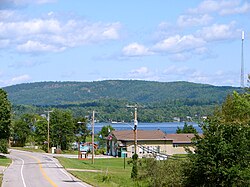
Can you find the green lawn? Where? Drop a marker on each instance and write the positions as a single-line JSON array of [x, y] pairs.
[[112, 172], [29, 149], [4, 161]]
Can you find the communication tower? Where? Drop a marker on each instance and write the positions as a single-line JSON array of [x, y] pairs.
[[242, 59]]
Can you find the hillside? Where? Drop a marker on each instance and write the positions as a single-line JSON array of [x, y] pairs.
[[160, 101], [63, 93]]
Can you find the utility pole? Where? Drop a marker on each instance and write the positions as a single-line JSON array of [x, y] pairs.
[[135, 130], [93, 148], [48, 128], [135, 127]]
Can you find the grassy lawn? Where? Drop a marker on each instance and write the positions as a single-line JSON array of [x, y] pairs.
[[4, 161], [112, 172], [29, 149]]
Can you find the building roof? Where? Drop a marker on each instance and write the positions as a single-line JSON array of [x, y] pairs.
[[141, 135], [128, 135], [181, 138]]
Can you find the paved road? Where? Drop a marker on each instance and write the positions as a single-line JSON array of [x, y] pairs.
[[37, 170]]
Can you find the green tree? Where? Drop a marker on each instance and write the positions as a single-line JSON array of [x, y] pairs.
[[41, 132], [5, 120], [61, 128], [23, 129], [186, 129], [81, 130], [103, 134], [222, 154]]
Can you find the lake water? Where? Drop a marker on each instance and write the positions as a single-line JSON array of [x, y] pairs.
[[167, 127]]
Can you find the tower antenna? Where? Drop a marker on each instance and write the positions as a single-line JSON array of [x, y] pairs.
[[242, 59]]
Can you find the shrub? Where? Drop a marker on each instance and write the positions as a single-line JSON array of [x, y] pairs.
[[3, 146]]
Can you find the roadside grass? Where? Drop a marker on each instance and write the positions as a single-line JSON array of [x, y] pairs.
[[29, 149], [111, 171], [4, 161], [72, 152]]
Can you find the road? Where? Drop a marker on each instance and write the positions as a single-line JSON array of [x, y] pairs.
[[37, 170]]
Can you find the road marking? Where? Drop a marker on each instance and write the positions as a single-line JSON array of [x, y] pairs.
[[63, 171], [22, 172], [43, 172]]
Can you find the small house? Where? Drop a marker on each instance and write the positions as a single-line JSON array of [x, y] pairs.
[[149, 142]]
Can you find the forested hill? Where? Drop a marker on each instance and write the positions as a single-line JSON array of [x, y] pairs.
[[63, 93]]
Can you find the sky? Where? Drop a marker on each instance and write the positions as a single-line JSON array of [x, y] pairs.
[[155, 40]]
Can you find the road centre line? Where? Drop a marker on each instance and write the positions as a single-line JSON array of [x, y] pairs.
[[42, 171]]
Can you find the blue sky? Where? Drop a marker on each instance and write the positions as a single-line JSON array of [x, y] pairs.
[[162, 40]]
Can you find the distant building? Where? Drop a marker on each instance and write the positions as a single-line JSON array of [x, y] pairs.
[[152, 142], [177, 119]]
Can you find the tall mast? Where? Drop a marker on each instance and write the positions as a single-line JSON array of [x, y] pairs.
[[242, 60]]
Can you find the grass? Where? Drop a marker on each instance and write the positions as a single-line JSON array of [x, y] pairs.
[[29, 149], [112, 172], [4, 161], [72, 152]]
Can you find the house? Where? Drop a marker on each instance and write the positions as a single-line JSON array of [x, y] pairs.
[[149, 142]]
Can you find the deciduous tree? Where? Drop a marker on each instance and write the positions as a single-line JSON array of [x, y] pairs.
[[222, 154], [61, 128], [5, 120]]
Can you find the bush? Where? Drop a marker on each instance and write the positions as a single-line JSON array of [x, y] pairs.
[[134, 172], [161, 173], [3, 146]]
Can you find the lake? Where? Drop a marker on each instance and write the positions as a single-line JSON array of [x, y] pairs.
[[167, 127]]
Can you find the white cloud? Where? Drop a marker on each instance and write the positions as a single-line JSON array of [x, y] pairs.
[[237, 10], [53, 35], [35, 46], [14, 80], [141, 73], [218, 32], [208, 6], [184, 73], [6, 14], [190, 20], [180, 57], [18, 79], [177, 43], [135, 49], [222, 7]]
